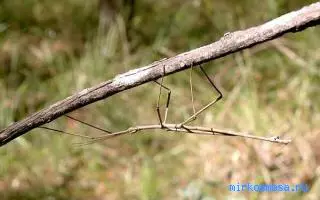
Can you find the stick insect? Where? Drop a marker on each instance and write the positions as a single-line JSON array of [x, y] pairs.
[[180, 127]]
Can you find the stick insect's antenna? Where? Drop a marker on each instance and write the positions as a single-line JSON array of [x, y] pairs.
[[87, 124], [208, 105], [64, 132], [78, 135]]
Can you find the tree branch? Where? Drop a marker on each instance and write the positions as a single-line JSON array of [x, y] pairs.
[[228, 44]]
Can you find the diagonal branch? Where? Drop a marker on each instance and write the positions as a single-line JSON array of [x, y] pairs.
[[232, 42]]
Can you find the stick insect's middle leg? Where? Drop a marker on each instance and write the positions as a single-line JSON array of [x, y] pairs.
[[167, 102], [191, 92], [193, 117]]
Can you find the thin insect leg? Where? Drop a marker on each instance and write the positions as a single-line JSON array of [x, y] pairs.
[[212, 84], [168, 100], [208, 105], [158, 105], [192, 99], [90, 125], [191, 91], [158, 102]]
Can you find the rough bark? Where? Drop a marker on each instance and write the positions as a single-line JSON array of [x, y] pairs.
[[228, 44]]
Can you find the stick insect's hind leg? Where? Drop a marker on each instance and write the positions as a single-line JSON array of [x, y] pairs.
[[191, 92], [193, 117], [158, 102]]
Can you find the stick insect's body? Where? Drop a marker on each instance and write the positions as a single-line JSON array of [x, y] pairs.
[[180, 127]]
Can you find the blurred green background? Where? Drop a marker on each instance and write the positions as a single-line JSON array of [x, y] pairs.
[[52, 49]]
